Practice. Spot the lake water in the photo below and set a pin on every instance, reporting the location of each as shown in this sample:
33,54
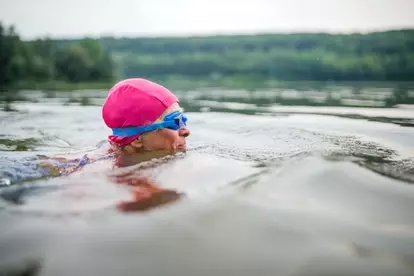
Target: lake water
269,190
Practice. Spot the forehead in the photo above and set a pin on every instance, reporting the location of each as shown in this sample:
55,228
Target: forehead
173,108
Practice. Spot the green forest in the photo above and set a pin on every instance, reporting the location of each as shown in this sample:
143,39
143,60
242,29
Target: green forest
386,56
379,56
25,63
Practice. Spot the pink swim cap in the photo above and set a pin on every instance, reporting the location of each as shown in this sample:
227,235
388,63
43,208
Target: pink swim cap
134,102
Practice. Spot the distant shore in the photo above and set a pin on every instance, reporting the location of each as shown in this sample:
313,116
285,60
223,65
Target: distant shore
57,85
235,82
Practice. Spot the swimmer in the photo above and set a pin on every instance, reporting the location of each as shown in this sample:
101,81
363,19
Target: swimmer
146,122
145,119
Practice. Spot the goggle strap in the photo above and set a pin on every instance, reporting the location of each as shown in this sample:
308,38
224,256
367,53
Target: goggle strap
169,122
132,131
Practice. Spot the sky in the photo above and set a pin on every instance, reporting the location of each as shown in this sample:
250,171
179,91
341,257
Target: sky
77,18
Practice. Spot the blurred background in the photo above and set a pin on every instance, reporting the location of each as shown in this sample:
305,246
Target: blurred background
342,52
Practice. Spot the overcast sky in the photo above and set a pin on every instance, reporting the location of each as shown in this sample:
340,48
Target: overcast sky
74,18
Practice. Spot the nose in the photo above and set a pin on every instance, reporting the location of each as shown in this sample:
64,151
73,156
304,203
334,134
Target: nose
184,132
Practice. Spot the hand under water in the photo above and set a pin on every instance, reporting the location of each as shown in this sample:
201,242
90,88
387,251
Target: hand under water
146,195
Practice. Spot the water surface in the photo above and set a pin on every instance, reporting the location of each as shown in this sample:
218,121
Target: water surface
269,190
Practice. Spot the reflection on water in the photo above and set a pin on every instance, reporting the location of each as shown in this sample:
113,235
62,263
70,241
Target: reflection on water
376,158
27,268
17,144
263,189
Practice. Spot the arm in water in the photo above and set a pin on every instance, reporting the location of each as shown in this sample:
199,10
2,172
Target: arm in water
146,194
57,166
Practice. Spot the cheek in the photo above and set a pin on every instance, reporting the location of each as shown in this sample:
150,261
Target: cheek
163,138
170,136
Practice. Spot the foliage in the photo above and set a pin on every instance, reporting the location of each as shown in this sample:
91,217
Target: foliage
381,56
233,60
43,60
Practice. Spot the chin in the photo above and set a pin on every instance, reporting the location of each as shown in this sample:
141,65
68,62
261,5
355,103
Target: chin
181,148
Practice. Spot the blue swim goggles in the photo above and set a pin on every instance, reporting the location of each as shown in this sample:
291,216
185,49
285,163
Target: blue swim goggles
175,121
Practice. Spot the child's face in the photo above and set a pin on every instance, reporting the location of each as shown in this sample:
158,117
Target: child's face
166,139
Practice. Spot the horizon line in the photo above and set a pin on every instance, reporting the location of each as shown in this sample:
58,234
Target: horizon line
214,34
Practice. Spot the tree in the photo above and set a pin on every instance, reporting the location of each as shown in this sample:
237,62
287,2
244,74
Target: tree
11,64
73,63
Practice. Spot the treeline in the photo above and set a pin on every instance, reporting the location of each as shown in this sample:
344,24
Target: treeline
384,56
379,56
45,60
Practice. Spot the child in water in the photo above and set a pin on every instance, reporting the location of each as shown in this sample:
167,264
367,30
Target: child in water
146,121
